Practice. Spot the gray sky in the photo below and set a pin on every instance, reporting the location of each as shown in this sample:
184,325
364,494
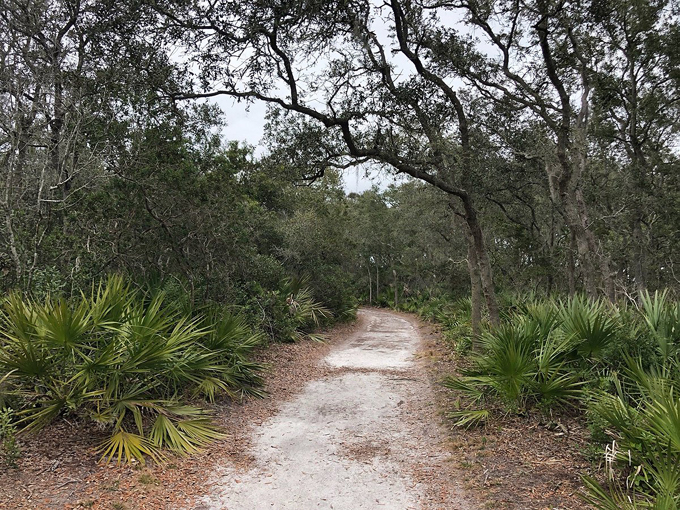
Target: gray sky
245,123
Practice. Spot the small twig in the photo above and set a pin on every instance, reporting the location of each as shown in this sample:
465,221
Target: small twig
68,482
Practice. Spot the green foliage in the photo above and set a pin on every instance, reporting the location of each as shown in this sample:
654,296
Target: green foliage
9,450
662,317
642,417
126,361
47,281
289,313
453,314
523,364
469,417
588,326
617,362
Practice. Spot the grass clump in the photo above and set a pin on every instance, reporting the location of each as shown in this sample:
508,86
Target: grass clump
9,449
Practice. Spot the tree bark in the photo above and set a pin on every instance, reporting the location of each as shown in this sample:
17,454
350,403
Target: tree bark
370,285
639,256
483,262
476,288
571,265
377,283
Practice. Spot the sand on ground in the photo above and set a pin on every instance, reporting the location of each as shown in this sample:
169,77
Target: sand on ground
361,437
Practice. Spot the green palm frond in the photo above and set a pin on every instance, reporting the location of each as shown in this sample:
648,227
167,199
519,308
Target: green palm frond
184,429
602,498
126,447
35,419
122,359
663,320
64,325
468,418
470,386
588,325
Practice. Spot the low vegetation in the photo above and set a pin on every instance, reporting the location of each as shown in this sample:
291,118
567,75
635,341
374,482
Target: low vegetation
134,364
614,365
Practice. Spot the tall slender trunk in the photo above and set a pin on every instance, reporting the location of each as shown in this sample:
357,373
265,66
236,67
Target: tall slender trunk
571,265
639,255
370,285
377,283
475,286
396,295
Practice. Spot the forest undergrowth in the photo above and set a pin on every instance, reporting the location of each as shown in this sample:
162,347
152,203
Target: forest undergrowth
137,365
613,366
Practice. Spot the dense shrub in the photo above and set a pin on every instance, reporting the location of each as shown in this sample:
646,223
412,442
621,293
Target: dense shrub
129,362
288,313
525,362
616,363
9,450
642,422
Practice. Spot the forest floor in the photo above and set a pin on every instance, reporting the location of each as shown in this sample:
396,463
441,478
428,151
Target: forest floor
356,422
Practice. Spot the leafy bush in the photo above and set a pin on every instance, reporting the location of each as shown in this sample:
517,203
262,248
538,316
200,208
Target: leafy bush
588,326
620,361
641,416
522,364
663,320
643,420
333,286
9,450
453,315
289,313
127,362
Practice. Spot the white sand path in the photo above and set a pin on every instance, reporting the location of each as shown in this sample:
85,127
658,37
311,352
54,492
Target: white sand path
355,439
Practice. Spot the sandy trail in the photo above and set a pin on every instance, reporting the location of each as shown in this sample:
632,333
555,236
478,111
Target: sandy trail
361,437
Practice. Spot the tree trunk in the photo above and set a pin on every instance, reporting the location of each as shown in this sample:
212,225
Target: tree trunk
475,288
583,243
595,266
396,296
483,262
638,260
370,285
571,265
377,284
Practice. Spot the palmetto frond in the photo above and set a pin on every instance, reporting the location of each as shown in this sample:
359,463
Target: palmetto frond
183,429
663,320
123,360
126,447
467,418
588,325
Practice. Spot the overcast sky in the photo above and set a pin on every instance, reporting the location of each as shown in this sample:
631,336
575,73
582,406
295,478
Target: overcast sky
245,123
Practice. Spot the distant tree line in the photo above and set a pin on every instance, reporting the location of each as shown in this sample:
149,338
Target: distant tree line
544,135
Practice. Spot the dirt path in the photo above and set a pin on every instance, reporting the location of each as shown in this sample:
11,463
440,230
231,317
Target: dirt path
362,436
